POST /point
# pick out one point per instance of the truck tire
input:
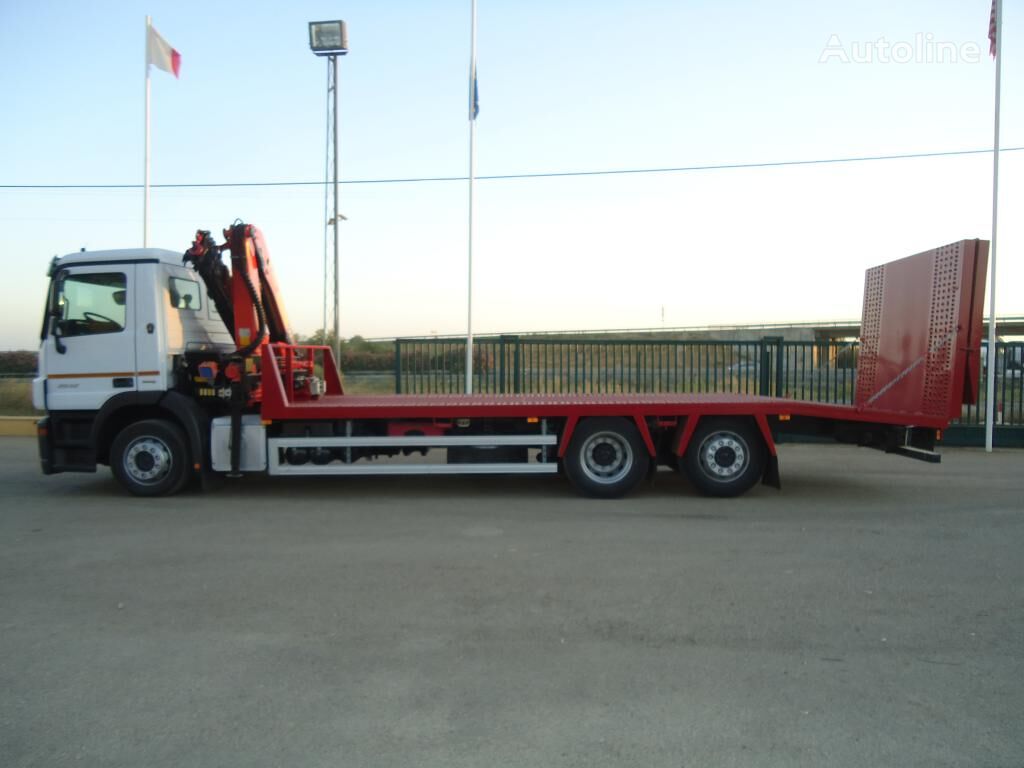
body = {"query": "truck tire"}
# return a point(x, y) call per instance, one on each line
point(150, 458)
point(725, 457)
point(606, 457)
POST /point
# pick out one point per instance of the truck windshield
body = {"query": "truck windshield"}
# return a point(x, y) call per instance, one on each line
point(91, 303)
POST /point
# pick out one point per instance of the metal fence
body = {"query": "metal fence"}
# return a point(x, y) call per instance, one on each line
point(822, 371)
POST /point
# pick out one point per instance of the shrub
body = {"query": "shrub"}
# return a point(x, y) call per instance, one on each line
point(22, 361)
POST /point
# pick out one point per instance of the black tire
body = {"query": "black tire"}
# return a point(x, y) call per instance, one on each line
point(606, 457)
point(150, 458)
point(725, 457)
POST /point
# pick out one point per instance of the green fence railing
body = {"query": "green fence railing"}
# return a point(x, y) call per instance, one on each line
point(821, 371)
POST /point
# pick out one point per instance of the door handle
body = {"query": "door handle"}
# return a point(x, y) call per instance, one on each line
point(124, 382)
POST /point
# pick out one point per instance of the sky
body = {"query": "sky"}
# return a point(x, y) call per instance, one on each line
point(601, 85)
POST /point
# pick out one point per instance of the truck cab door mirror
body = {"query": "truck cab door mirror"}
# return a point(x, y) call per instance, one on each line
point(55, 312)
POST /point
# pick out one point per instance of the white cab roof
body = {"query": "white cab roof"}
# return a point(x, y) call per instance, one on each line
point(123, 254)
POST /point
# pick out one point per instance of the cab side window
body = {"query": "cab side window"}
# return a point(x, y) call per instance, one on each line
point(185, 294)
point(92, 303)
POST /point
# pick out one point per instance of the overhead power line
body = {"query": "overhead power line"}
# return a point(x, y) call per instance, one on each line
point(546, 175)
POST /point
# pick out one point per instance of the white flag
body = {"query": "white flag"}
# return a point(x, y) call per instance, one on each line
point(160, 54)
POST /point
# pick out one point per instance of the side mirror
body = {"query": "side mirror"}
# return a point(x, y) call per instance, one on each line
point(56, 311)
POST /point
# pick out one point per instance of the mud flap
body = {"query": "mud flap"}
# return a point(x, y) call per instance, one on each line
point(771, 473)
point(210, 481)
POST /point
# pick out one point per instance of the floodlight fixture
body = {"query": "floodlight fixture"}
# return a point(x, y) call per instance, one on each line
point(328, 38)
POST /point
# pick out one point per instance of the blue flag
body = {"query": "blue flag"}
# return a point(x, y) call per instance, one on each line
point(474, 107)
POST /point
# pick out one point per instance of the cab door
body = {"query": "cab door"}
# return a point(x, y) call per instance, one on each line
point(89, 350)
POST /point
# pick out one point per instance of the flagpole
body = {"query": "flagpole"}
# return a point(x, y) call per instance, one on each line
point(145, 194)
point(990, 392)
point(472, 179)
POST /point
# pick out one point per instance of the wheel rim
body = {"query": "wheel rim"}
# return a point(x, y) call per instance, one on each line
point(724, 456)
point(607, 458)
point(147, 460)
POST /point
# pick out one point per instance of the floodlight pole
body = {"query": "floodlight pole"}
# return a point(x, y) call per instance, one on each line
point(337, 217)
point(330, 39)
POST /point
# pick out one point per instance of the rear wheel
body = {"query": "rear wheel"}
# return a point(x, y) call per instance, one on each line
point(606, 457)
point(725, 457)
point(150, 458)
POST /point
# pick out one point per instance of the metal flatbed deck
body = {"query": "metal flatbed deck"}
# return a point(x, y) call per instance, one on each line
point(919, 358)
point(580, 405)
point(917, 364)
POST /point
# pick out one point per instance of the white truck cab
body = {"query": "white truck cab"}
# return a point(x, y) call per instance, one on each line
point(115, 327)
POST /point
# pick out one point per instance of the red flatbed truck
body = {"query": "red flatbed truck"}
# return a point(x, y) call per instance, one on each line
point(219, 387)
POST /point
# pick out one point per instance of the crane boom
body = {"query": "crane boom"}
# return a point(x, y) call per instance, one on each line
point(246, 295)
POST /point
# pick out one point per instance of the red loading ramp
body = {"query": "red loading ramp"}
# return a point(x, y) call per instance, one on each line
point(921, 332)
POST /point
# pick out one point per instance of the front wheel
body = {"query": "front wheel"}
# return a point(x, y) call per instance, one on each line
point(150, 458)
point(606, 457)
point(725, 457)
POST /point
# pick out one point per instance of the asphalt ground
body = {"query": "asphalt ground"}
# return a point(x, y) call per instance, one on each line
point(869, 614)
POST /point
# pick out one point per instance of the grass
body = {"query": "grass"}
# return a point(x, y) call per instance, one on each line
point(16, 398)
point(369, 384)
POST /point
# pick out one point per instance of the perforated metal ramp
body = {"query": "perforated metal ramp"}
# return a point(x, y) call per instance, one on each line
point(919, 312)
